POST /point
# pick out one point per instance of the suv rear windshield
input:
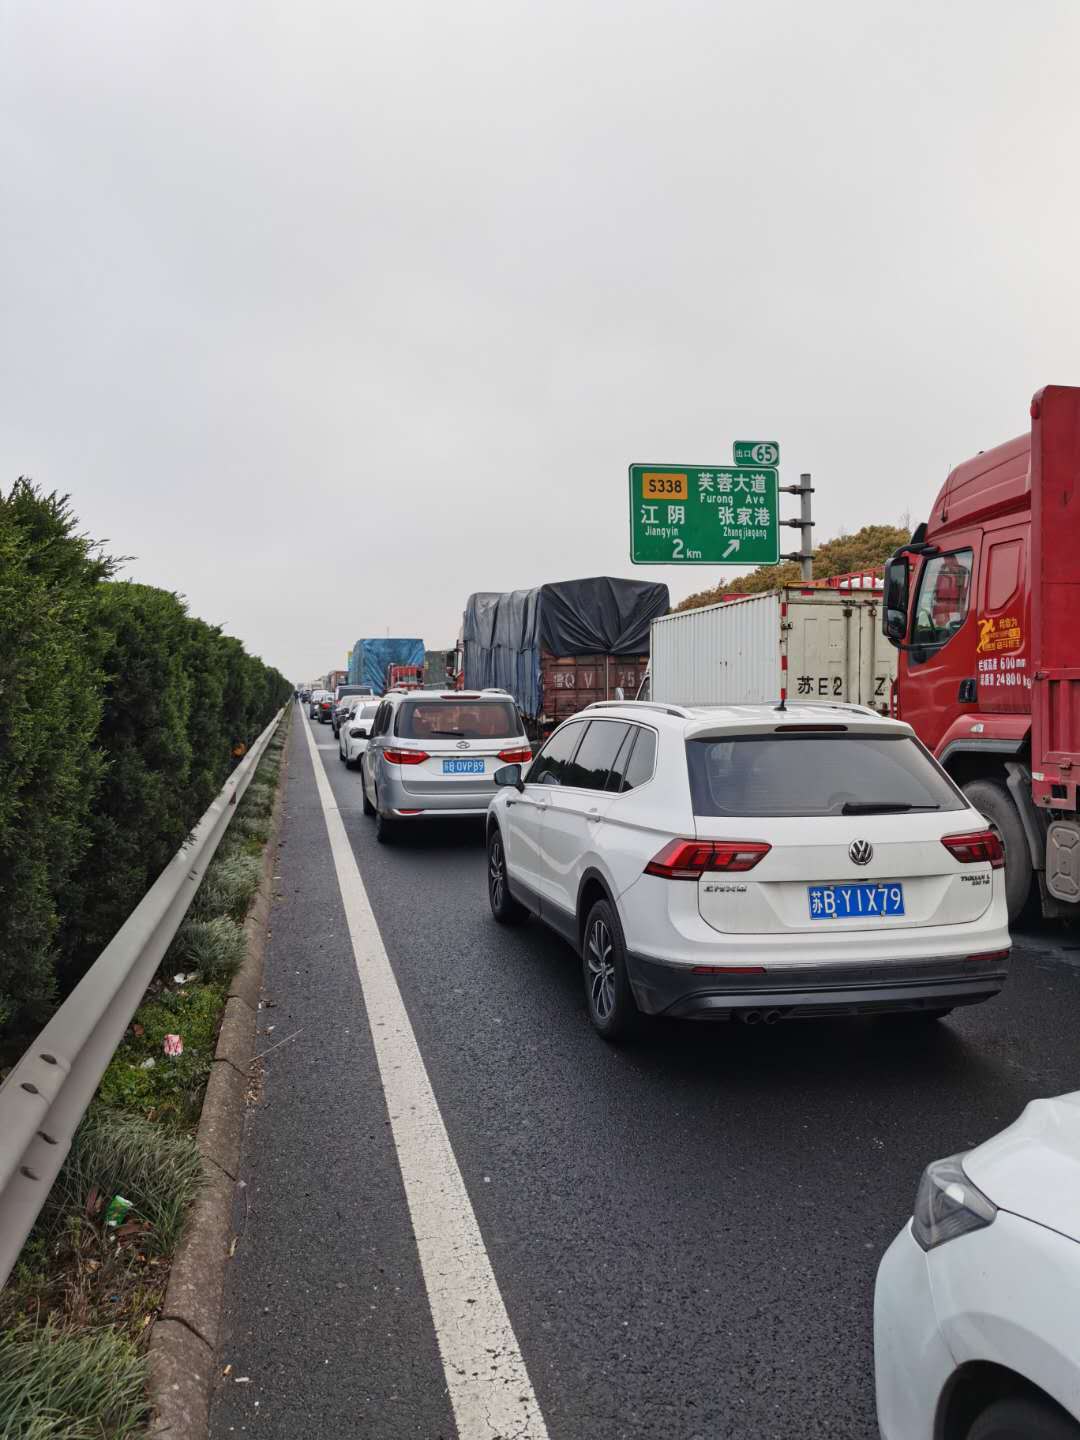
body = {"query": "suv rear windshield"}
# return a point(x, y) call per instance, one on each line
point(845, 774)
point(457, 720)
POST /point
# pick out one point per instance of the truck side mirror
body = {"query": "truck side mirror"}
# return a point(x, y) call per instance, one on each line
point(894, 612)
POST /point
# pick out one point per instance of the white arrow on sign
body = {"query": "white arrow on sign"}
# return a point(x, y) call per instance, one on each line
point(731, 549)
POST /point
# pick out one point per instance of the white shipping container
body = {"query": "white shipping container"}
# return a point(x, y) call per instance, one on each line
point(733, 653)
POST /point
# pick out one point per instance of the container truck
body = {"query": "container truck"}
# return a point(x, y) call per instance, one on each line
point(983, 607)
point(371, 659)
point(561, 646)
point(813, 642)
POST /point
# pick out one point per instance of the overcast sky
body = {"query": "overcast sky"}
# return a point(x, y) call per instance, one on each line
point(331, 314)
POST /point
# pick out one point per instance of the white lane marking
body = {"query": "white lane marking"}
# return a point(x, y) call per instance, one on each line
point(488, 1383)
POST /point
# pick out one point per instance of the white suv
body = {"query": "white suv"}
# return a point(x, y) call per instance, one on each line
point(745, 862)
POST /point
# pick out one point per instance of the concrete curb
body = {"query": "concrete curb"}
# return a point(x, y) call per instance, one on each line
point(183, 1344)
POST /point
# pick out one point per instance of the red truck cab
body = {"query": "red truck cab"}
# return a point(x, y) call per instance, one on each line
point(984, 606)
point(404, 677)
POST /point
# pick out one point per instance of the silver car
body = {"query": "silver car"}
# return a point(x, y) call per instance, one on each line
point(354, 729)
point(434, 753)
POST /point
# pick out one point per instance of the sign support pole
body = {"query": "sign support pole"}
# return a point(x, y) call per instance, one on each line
point(804, 524)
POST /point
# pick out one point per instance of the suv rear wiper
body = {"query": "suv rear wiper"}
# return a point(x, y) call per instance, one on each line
point(446, 732)
point(881, 807)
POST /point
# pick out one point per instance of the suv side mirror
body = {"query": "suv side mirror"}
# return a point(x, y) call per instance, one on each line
point(509, 775)
point(894, 613)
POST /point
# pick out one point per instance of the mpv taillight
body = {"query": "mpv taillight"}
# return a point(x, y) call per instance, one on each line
point(516, 757)
point(977, 848)
point(690, 859)
point(405, 757)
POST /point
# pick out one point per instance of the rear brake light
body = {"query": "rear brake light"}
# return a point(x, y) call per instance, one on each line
point(515, 757)
point(690, 859)
point(405, 757)
point(978, 848)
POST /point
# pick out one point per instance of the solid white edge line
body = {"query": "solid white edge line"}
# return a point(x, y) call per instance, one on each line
point(488, 1383)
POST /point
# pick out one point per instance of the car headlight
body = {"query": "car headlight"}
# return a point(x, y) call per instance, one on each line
point(357, 734)
point(948, 1204)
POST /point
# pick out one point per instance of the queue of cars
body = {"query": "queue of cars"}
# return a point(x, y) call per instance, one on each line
point(761, 863)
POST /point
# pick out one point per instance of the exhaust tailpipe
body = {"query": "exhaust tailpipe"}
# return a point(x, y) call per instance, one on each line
point(750, 1017)
point(772, 1016)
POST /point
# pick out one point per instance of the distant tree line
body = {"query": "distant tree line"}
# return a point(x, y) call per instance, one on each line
point(866, 549)
point(119, 716)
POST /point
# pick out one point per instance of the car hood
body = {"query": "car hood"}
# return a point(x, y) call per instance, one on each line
point(1033, 1167)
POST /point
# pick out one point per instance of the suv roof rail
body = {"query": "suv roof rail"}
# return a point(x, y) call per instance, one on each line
point(676, 710)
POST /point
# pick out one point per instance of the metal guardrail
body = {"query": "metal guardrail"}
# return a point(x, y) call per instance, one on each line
point(47, 1093)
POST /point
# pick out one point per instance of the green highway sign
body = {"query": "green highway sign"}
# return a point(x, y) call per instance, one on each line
point(704, 515)
point(756, 452)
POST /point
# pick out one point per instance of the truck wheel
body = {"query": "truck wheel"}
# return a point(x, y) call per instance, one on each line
point(996, 804)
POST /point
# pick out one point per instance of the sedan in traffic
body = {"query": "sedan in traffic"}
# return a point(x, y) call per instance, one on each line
point(750, 863)
point(354, 730)
point(977, 1303)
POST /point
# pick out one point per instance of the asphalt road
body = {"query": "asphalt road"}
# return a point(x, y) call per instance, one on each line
point(685, 1232)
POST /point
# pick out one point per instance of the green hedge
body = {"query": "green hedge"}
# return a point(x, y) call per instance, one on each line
point(119, 715)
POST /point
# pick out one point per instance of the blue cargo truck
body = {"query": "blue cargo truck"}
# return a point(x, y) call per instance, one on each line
point(371, 659)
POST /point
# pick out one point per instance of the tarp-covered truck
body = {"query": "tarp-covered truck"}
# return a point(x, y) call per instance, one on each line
point(983, 606)
point(800, 642)
point(561, 646)
point(371, 659)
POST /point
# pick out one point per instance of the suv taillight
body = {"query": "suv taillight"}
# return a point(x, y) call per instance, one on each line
point(516, 757)
point(405, 757)
point(690, 859)
point(978, 848)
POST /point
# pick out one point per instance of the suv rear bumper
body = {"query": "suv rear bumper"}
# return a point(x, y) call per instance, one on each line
point(804, 991)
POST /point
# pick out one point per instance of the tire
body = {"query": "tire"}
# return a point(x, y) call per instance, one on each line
point(385, 830)
point(341, 756)
point(1022, 1418)
point(369, 808)
point(608, 997)
point(996, 804)
point(505, 909)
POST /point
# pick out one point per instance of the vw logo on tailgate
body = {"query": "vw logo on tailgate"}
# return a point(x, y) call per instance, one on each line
point(463, 745)
point(861, 852)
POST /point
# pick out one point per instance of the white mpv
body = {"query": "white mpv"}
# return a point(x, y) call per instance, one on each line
point(745, 862)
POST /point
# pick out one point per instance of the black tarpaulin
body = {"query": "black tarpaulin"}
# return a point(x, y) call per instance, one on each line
point(505, 632)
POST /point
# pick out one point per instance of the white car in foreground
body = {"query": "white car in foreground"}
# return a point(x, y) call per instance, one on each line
point(746, 862)
point(977, 1306)
point(355, 731)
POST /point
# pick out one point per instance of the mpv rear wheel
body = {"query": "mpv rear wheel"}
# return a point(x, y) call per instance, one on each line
point(385, 830)
point(608, 996)
point(506, 910)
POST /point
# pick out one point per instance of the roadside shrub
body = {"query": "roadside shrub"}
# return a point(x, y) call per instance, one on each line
point(157, 1169)
point(229, 887)
point(142, 812)
point(151, 703)
point(214, 947)
point(48, 577)
point(70, 1385)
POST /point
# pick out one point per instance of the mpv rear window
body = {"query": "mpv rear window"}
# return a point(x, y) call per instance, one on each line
point(845, 774)
point(457, 720)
